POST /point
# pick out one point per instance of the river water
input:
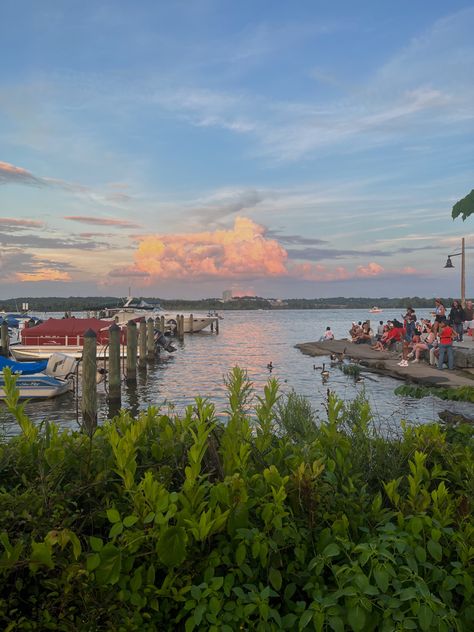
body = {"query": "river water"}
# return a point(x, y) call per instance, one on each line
point(252, 339)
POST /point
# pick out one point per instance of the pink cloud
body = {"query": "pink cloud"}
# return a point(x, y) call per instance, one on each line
point(100, 221)
point(43, 274)
point(242, 251)
point(20, 223)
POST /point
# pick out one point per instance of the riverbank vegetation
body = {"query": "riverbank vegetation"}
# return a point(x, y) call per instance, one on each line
point(273, 520)
point(96, 303)
point(458, 394)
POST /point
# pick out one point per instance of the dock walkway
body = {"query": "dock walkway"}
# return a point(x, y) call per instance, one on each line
point(386, 363)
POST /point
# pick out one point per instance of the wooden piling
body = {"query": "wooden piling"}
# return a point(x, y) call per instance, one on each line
point(89, 382)
point(142, 344)
point(191, 323)
point(217, 324)
point(150, 327)
point(181, 326)
point(115, 382)
point(131, 373)
point(162, 324)
point(5, 339)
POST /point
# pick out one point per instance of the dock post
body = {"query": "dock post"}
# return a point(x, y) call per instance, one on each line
point(191, 323)
point(212, 326)
point(115, 383)
point(217, 324)
point(5, 339)
point(89, 382)
point(150, 327)
point(142, 344)
point(162, 324)
point(131, 373)
point(181, 327)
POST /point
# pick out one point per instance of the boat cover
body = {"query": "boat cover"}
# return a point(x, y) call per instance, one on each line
point(27, 368)
point(66, 331)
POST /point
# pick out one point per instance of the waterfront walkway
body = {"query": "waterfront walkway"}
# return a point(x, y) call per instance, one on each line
point(386, 363)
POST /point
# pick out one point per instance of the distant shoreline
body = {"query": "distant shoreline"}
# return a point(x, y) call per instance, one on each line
point(94, 303)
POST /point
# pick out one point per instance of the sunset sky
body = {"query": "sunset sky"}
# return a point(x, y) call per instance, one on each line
point(284, 149)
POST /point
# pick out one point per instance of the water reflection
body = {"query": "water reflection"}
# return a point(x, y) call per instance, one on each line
point(251, 340)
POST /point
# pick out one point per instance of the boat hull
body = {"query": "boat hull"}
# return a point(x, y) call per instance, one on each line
point(38, 386)
point(44, 352)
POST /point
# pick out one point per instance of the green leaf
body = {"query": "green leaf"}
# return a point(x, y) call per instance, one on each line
point(331, 550)
point(129, 521)
point(116, 529)
point(96, 543)
point(425, 616)
point(274, 576)
point(113, 515)
point(464, 207)
point(108, 572)
point(92, 562)
point(40, 556)
point(435, 550)
point(382, 578)
point(171, 547)
point(305, 619)
point(356, 617)
point(336, 624)
point(420, 554)
point(240, 554)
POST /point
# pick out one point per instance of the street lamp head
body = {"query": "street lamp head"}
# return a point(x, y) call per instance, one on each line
point(449, 263)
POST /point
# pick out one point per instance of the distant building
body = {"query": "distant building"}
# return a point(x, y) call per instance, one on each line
point(226, 296)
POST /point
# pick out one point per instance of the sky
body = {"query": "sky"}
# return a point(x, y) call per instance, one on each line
point(180, 149)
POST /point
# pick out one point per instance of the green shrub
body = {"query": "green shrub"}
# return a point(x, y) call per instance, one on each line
point(274, 520)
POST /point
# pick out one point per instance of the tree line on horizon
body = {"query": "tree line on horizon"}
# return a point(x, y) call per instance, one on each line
point(95, 303)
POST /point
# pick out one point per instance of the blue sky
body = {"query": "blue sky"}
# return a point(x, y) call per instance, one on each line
point(285, 149)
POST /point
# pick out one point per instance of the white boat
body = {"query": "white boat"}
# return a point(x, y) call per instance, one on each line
point(375, 310)
point(55, 380)
point(38, 386)
point(138, 308)
point(44, 352)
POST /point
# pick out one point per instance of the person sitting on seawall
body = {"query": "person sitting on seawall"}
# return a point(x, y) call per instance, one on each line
point(395, 334)
point(426, 342)
point(365, 336)
point(469, 318)
point(440, 313)
point(446, 337)
point(328, 335)
point(456, 318)
point(354, 331)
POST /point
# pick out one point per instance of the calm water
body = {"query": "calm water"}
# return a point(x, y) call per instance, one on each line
point(251, 340)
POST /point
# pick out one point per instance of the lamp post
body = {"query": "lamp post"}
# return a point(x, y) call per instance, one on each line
point(449, 264)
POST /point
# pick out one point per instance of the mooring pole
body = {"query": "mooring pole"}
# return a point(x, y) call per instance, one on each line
point(191, 323)
point(142, 344)
point(115, 382)
point(131, 351)
point(5, 339)
point(89, 382)
point(150, 327)
point(217, 324)
point(162, 324)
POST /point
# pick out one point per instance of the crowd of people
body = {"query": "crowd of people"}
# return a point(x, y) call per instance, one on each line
point(435, 336)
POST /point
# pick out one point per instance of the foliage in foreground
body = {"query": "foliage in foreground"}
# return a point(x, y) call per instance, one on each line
point(268, 522)
point(458, 394)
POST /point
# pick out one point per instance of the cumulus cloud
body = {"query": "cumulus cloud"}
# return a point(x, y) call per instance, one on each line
point(43, 274)
point(242, 251)
point(102, 221)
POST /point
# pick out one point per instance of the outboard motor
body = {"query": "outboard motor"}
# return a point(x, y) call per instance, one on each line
point(163, 342)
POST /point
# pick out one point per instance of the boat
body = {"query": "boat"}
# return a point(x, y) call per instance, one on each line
point(135, 308)
point(55, 379)
point(38, 386)
point(66, 335)
point(375, 310)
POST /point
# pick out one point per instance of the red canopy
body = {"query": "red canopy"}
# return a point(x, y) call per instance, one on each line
point(67, 331)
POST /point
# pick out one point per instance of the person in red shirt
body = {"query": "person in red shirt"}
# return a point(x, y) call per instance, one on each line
point(446, 337)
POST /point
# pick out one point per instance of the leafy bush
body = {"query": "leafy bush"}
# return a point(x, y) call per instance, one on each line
point(266, 522)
